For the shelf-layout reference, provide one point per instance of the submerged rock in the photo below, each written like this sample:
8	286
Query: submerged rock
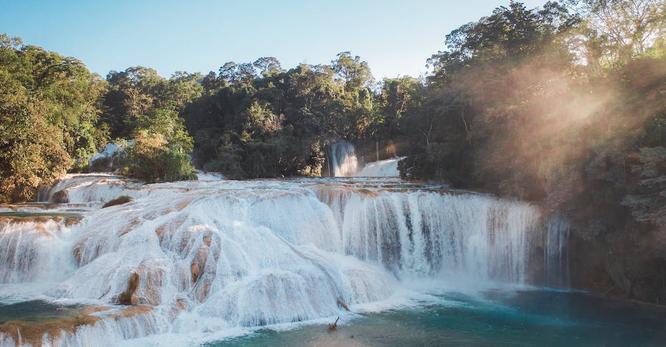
37	331
117	201
63	328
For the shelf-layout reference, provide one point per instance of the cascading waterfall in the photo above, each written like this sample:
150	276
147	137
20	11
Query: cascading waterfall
32	250
432	234
556	265
209	256
342	161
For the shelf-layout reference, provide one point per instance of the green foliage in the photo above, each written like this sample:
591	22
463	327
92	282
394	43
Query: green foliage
48	105
518	103
258	120
497	88
139	91
397	98
160	149
618	31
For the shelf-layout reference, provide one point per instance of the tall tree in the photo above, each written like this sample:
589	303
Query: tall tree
48	105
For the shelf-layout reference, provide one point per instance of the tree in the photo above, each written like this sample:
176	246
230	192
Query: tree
275	122
509	35
161	149
396	97
132	93
48	105
267	66
354	72
29	158
616	31
139	91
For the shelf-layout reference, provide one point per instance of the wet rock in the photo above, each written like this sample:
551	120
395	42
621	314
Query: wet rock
60	197
619	227
117	201
199	262
32	332
129	297
40	217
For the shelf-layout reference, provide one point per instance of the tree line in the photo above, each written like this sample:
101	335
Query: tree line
504	109
246	120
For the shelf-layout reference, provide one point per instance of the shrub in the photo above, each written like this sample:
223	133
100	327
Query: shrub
161	150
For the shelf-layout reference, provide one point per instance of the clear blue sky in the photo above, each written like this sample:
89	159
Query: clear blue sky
394	37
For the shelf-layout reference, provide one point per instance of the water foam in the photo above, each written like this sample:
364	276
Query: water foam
225	256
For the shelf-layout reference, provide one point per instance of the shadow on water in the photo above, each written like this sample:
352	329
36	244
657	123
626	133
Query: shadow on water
497	318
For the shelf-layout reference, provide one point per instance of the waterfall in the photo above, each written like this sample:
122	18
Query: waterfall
434	235
342	161
381	168
217	255
32	250
556	264
88	188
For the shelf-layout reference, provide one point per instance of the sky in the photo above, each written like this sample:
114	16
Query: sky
394	37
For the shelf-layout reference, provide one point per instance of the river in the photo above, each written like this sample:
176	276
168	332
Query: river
273	262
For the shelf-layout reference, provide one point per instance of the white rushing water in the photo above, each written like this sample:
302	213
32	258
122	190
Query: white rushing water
381	168
89	188
214	257
342	161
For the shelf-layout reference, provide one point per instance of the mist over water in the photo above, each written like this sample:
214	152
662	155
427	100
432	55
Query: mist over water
215	258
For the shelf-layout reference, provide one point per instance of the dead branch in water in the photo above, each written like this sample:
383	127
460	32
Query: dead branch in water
334	326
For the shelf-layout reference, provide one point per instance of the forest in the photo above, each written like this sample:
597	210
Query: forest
517	103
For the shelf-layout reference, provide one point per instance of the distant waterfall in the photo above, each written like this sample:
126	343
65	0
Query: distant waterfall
342	161
381	168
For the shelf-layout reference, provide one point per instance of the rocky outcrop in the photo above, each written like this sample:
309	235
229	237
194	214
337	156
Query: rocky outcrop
618	239
129	297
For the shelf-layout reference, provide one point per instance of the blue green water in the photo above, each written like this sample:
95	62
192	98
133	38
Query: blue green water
524	318
35	310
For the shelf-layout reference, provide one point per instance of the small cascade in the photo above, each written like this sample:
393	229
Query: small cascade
88	188
556	256
342	161
381	168
33	250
